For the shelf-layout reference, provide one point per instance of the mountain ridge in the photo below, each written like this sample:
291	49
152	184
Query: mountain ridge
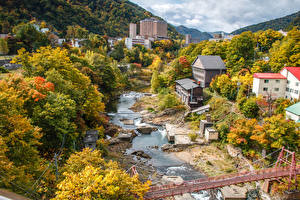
195	33
276	24
104	17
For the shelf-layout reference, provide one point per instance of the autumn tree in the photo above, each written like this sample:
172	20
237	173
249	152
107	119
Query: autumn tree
77	102
30	37
225	86
266	38
87	175
276	132
240	52
241	132
286	52
19	140
3	46
76	31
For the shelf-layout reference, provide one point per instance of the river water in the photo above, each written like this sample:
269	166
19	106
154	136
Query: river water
163	162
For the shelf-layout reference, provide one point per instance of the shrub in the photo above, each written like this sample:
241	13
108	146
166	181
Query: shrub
168	101
193	136
250	108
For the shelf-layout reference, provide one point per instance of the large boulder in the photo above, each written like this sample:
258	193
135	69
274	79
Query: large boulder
141	154
127	121
125	136
114	141
146	129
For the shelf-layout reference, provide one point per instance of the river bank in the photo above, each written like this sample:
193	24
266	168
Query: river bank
210	159
159	164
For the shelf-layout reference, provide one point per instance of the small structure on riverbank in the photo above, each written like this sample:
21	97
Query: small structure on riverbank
211	134
190	93
205	124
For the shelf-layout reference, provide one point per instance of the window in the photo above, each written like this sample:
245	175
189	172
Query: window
277	81
287	89
297	84
276	89
288	82
266	81
265	89
296	91
291	90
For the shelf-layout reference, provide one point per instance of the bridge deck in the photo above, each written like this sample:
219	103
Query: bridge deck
157	192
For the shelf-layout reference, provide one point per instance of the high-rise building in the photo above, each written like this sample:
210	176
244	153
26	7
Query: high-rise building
132	30
153	27
188	38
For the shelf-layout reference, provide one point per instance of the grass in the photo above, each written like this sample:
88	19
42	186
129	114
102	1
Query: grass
214	160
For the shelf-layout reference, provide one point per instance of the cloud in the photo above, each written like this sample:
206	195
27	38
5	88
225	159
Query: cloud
216	15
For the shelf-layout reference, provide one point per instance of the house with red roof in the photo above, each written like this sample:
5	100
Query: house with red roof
292	75
269	84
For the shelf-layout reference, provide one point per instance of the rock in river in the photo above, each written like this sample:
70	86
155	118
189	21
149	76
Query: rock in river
146	129
141	154
127	121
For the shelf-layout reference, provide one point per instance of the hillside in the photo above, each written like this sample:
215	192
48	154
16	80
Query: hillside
109	17
196	34
275	24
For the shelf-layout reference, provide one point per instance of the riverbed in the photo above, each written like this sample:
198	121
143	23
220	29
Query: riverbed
163	162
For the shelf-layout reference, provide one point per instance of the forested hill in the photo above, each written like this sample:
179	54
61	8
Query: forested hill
110	17
196	34
275	24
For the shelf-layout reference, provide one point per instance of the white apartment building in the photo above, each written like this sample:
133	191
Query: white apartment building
130	42
292	75
269	84
293	112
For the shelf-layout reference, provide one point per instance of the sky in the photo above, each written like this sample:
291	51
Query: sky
219	15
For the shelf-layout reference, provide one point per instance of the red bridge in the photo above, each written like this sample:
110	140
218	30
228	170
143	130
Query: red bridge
283	168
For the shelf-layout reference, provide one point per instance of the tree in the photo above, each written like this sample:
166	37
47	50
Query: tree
118	52
3	46
56	117
88	176
286	52
266	38
277	132
19	140
241	133
250	108
76	32
56	67
260	66
31	38
155	83
225	86
240	52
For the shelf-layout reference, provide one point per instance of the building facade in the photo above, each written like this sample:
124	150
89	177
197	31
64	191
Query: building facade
269	84
207	67
285	84
154	28
293	112
190	93
130	42
132	30
292	75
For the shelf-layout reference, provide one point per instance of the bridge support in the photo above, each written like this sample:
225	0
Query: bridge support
283	159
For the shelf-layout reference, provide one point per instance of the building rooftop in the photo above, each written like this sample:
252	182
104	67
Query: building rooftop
187	83
294	70
295	109
269	76
209	62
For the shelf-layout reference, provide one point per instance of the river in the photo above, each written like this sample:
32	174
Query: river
163	162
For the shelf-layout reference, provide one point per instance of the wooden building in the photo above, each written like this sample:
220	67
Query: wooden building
207	67
189	92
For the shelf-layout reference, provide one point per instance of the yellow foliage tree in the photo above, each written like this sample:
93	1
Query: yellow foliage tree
89	176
